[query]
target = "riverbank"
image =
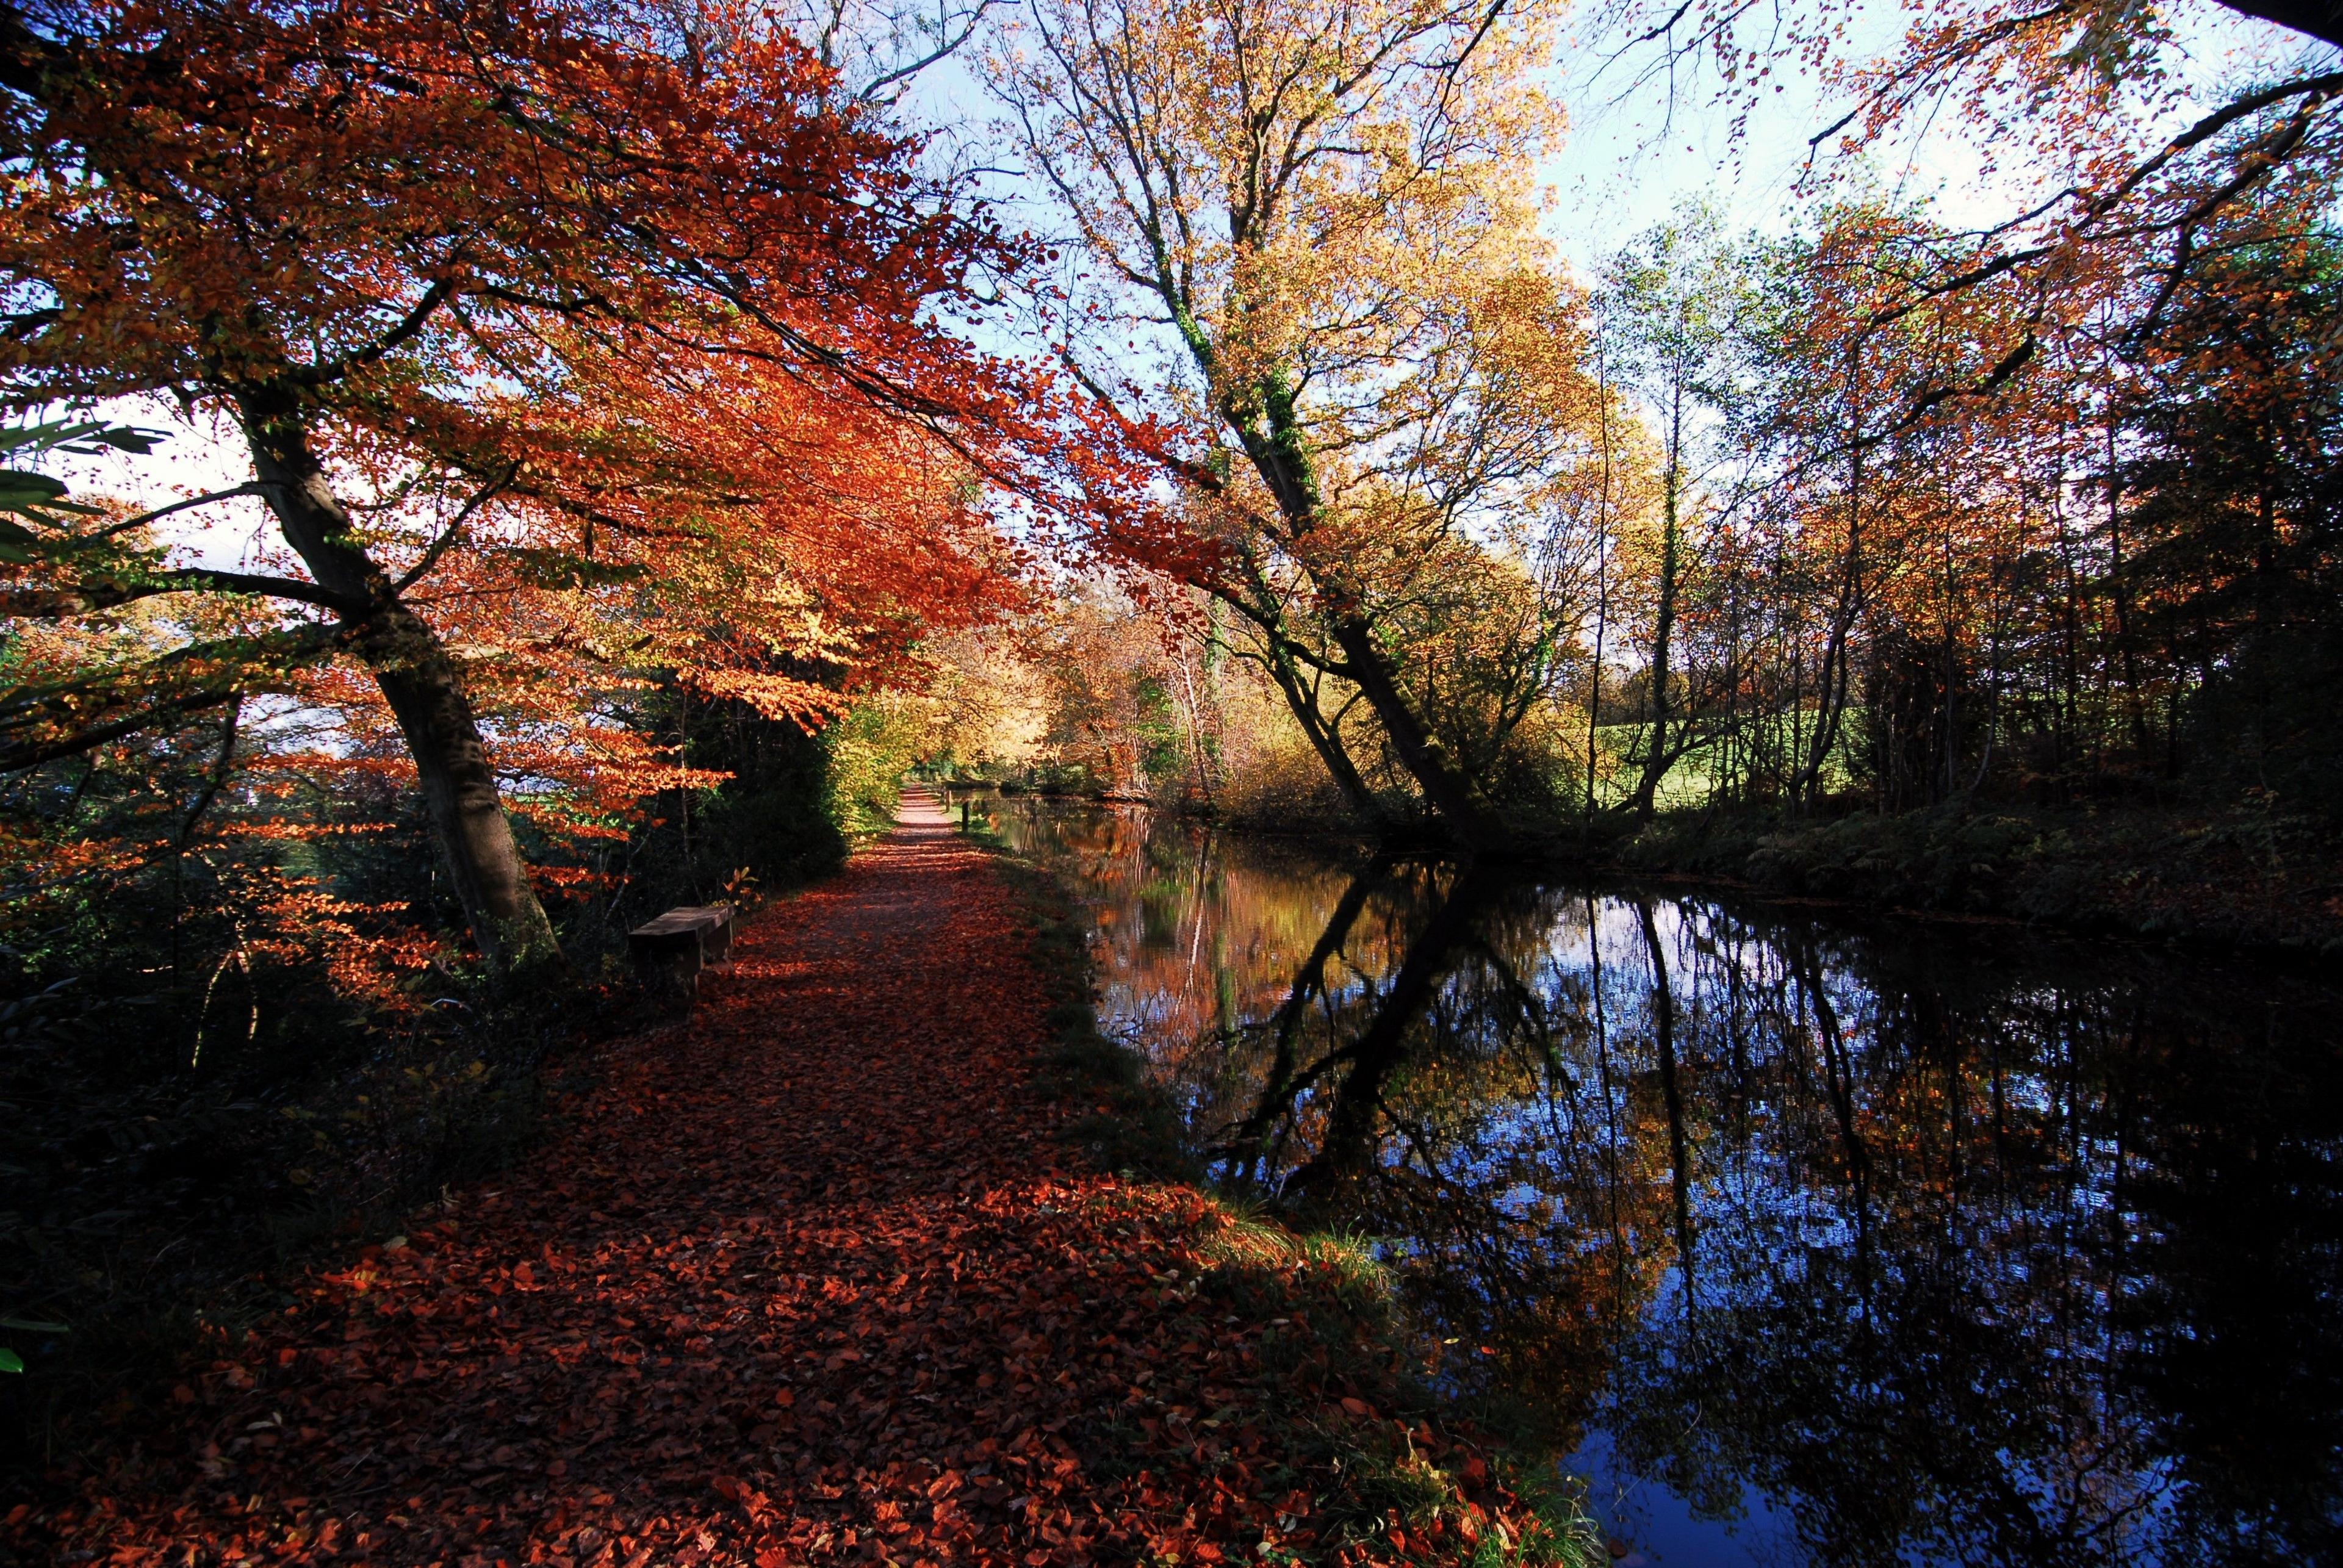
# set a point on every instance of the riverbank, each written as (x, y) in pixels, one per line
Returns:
(2252, 880)
(818, 1274)
(1673, 1169)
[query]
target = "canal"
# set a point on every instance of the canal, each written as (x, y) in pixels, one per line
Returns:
(1818, 1239)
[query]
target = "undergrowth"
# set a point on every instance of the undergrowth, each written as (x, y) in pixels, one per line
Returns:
(2243, 877)
(186, 1117)
(158, 1215)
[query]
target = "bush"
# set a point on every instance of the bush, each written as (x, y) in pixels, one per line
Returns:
(869, 749)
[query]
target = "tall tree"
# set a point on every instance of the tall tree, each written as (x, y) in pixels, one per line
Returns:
(521, 300)
(1324, 213)
(1674, 298)
(2136, 166)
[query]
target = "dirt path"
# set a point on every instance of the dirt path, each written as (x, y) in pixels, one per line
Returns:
(796, 1281)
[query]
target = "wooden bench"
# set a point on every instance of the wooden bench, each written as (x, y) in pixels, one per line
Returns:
(678, 944)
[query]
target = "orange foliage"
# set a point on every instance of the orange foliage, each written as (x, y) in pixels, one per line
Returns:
(579, 351)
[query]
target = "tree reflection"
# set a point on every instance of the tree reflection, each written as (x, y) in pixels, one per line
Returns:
(1252, 1149)
(2005, 1251)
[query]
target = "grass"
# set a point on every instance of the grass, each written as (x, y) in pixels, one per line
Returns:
(1130, 1127)
(1416, 1470)
(1694, 780)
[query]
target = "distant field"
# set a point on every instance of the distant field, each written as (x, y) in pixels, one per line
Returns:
(1694, 779)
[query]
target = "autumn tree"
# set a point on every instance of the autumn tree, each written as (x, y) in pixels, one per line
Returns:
(1851, 504)
(1675, 300)
(1321, 216)
(594, 332)
(2109, 166)
(2221, 556)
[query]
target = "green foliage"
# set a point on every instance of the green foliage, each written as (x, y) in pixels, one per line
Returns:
(1675, 302)
(561, 568)
(39, 499)
(1163, 745)
(869, 749)
(771, 825)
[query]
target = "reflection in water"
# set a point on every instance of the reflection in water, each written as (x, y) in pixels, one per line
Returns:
(1898, 1244)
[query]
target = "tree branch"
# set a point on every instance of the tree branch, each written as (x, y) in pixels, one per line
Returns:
(88, 599)
(455, 529)
(42, 723)
(143, 519)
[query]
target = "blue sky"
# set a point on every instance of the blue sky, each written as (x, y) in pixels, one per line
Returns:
(1629, 158)
(1632, 156)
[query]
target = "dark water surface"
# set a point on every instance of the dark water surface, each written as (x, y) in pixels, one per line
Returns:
(1823, 1240)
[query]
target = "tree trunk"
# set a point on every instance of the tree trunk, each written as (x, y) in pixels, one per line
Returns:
(425, 691)
(1601, 575)
(1831, 682)
(1346, 1147)
(2118, 581)
(1247, 1147)
(1664, 625)
(1280, 455)
(1839, 1083)
(1303, 706)
(1654, 760)
(1450, 796)
(1663, 1035)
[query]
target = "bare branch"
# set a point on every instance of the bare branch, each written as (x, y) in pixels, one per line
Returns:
(143, 519)
(454, 530)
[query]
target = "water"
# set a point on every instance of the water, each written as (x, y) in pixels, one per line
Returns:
(1822, 1241)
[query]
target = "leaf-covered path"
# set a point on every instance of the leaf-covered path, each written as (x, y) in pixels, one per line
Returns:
(795, 1281)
